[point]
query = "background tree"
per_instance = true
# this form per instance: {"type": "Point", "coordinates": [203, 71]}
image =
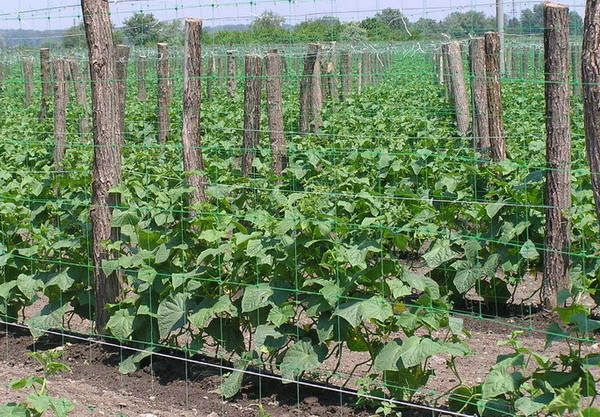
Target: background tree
{"type": "Point", "coordinates": [575, 23]}
{"type": "Point", "coordinates": [268, 27]}
{"type": "Point", "coordinates": [353, 32]}
{"type": "Point", "coordinates": [171, 32]}
{"type": "Point", "coordinates": [268, 20]}
{"type": "Point", "coordinates": [326, 28]}
{"type": "Point", "coordinates": [532, 20]}
{"type": "Point", "coordinates": [74, 37]}
{"type": "Point", "coordinates": [426, 28]}
{"type": "Point", "coordinates": [142, 29]}
{"type": "Point", "coordinates": [468, 23]}
{"type": "Point", "coordinates": [392, 18]}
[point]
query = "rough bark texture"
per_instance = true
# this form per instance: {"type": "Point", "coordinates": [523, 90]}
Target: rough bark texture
{"type": "Point", "coordinates": [494, 92]}
{"type": "Point", "coordinates": [310, 91]}
{"type": "Point", "coordinates": [46, 76]}
{"type": "Point", "coordinates": [346, 74]}
{"type": "Point", "coordinates": [447, 74]}
{"type": "Point", "coordinates": [27, 62]}
{"type": "Point", "coordinates": [231, 74]}
{"type": "Point", "coordinates": [210, 77]}
{"type": "Point", "coordinates": [332, 74]}
{"type": "Point", "coordinates": [61, 96]}
{"type": "Point", "coordinates": [558, 152]}
{"type": "Point", "coordinates": [164, 91]}
{"type": "Point", "coordinates": [192, 99]}
{"type": "Point", "coordinates": [251, 111]}
{"type": "Point", "coordinates": [359, 74]}
{"type": "Point", "coordinates": [107, 151]}
{"type": "Point", "coordinates": [122, 58]}
{"type": "Point", "coordinates": [459, 88]}
{"type": "Point", "coordinates": [481, 126]}
{"type": "Point", "coordinates": [140, 75]}
{"type": "Point", "coordinates": [274, 66]}
{"type": "Point", "coordinates": [590, 77]}
{"type": "Point", "coordinates": [80, 97]}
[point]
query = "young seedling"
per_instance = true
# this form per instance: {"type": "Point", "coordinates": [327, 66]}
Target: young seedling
{"type": "Point", "coordinates": [40, 401]}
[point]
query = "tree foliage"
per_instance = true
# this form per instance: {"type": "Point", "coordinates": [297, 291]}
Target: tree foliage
{"type": "Point", "coordinates": [142, 29]}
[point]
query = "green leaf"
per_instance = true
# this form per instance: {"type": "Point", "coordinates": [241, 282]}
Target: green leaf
{"type": "Point", "coordinates": [256, 297]}
{"type": "Point", "coordinates": [132, 363]}
{"type": "Point", "coordinates": [125, 218]}
{"type": "Point", "coordinates": [584, 324]}
{"type": "Point", "coordinates": [591, 412]}
{"type": "Point", "coordinates": [466, 277]}
{"type": "Point", "coordinates": [162, 254]}
{"type": "Point", "coordinates": [355, 312]}
{"type": "Point", "coordinates": [302, 356]}
{"type": "Point", "coordinates": [493, 208]}
{"type": "Point", "coordinates": [120, 324]}
{"type": "Point", "coordinates": [62, 280]}
{"type": "Point", "coordinates": [28, 285]}
{"type": "Point", "coordinates": [500, 381]}
{"type": "Point", "coordinates": [281, 315]}
{"type": "Point", "coordinates": [440, 253]}
{"type": "Point", "coordinates": [528, 406]}
{"type": "Point", "coordinates": [14, 410]}
{"type": "Point", "coordinates": [269, 339]}
{"type": "Point", "coordinates": [62, 406]}
{"type": "Point", "coordinates": [528, 251]}
{"type": "Point", "coordinates": [233, 382]}
{"type": "Point", "coordinates": [209, 308]}
{"type": "Point", "coordinates": [39, 403]}
{"type": "Point", "coordinates": [413, 351]}
{"type": "Point", "coordinates": [50, 316]}
{"type": "Point", "coordinates": [172, 314]}
{"type": "Point", "coordinates": [554, 334]}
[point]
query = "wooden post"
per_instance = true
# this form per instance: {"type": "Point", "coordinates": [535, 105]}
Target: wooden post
{"type": "Point", "coordinates": [322, 64]}
{"type": "Point", "coordinates": [164, 91]}
{"type": "Point", "coordinates": [210, 77]}
{"type": "Point", "coordinates": [346, 74]}
{"type": "Point", "coordinates": [122, 58]}
{"type": "Point", "coordinates": [558, 152]}
{"type": "Point", "coordinates": [494, 93]}
{"type": "Point", "coordinates": [251, 111]}
{"type": "Point", "coordinates": [366, 68]}
{"type": "Point", "coordinates": [80, 97]}
{"type": "Point", "coordinates": [332, 74]}
{"type": "Point", "coordinates": [46, 77]}
{"type": "Point", "coordinates": [590, 77]}
{"type": "Point", "coordinates": [481, 127]}
{"type": "Point", "coordinates": [231, 74]}
{"type": "Point", "coordinates": [107, 151]}
{"type": "Point", "coordinates": [525, 63]}
{"type": "Point", "coordinates": [447, 75]}
{"type": "Point", "coordinates": [140, 75]}
{"type": "Point", "coordinates": [459, 88]}
{"type": "Point", "coordinates": [61, 97]}
{"type": "Point", "coordinates": [274, 64]}
{"type": "Point", "coordinates": [359, 73]}
{"type": "Point", "coordinates": [310, 91]}
{"type": "Point", "coordinates": [28, 78]}
{"type": "Point", "coordinates": [192, 98]}
{"type": "Point", "coordinates": [536, 63]}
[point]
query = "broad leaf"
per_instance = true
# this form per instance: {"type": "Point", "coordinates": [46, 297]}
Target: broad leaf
{"type": "Point", "coordinates": [172, 313]}
{"type": "Point", "coordinates": [302, 356]}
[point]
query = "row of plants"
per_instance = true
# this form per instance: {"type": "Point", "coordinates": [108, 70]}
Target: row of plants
{"type": "Point", "coordinates": [380, 226]}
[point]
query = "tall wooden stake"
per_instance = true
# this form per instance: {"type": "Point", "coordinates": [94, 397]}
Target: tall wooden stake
{"type": "Point", "coordinates": [558, 152]}
{"type": "Point", "coordinates": [274, 83]}
{"type": "Point", "coordinates": [107, 151]}
{"type": "Point", "coordinates": [61, 97]}
{"type": "Point", "coordinates": [46, 76]}
{"type": "Point", "coordinates": [481, 126]}
{"type": "Point", "coordinates": [192, 100]}
{"type": "Point", "coordinates": [164, 91]}
{"type": "Point", "coordinates": [27, 63]}
{"type": "Point", "coordinates": [494, 93]}
{"type": "Point", "coordinates": [122, 52]}
{"type": "Point", "coordinates": [251, 111]}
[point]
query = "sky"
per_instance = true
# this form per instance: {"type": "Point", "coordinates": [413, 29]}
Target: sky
{"type": "Point", "coordinates": [61, 14]}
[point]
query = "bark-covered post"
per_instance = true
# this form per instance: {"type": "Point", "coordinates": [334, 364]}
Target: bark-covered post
{"type": "Point", "coordinates": [46, 78]}
{"type": "Point", "coordinates": [164, 91]}
{"type": "Point", "coordinates": [231, 74]}
{"type": "Point", "coordinates": [459, 88]}
{"type": "Point", "coordinates": [252, 97]}
{"type": "Point", "coordinates": [61, 97]}
{"type": "Point", "coordinates": [525, 63]}
{"type": "Point", "coordinates": [140, 75]}
{"type": "Point", "coordinates": [27, 63]}
{"type": "Point", "coordinates": [192, 100]}
{"type": "Point", "coordinates": [447, 74]}
{"type": "Point", "coordinates": [590, 77]}
{"type": "Point", "coordinates": [558, 152]}
{"type": "Point", "coordinates": [366, 68]}
{"type": "Point", "coordinates": [347, 70]}
{"type": "Point", "coordinates": [122, 58]}
{"type": "Point", "coordinates": [481, 127]}
{"type": "Point", "coordinates": [80, 97]}
{"type": "Point", "coordinates": [310, 91]}
{"type": "Point", "coordinates": [274, 82]}
{"type": "Point", "coordinates": [332, 74]}
{"type": "Point", "coordinates": [494, 93]}
{"type": "Point", "coordinates": [359, 73]}
{"type": "Point", "coordinates": [210, 77]}
{"type": "Point", "coordinates": [107, 152]}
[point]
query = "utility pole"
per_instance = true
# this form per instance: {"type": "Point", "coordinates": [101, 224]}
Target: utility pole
{"type": "Point", "coordinates": [500, 29]}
